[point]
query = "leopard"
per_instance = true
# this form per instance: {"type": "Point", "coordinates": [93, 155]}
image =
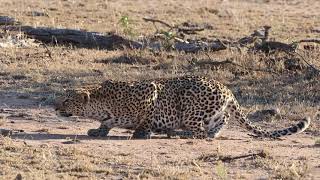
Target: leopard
{"type": "Point", "coordinates": [187, 106]}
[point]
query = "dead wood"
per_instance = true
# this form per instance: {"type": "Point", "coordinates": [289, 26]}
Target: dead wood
{"type": "Point", "coordinates": [186, 27]}
{"type": "Point", "coordinates": [261, 154]}
{"type": "Point", "coordinates": [309, 41]}
{"type": "Point", "coordinates": [272, 46]}
{"type": "Point", "coordinates": [228, 159]}
{"type": "Point", "coordinates": [192, 28]}
{"type": "Point", "coordinates": [5, 20]}
{"type": "Point", "coordinates": [257, 41]}
{"type": "Point", "coordinates": [193, 47]}
{"type": "Point", "coordinates": [148, 19]}
{"type": "Point", "coordinates": [75, 37]}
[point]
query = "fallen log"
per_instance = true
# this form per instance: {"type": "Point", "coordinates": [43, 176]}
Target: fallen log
{"type": "Point", "coordinates": [76, 38]}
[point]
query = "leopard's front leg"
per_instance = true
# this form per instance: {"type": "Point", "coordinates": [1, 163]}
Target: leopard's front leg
{"type": "Point", "coordinates": [102, 131]}
{"type": "Point", "coordinates": [107, 125]}
{"type": "Point", "coordinates": [143, 131]}
{"type": "Point", "coordinates": [144, 128]}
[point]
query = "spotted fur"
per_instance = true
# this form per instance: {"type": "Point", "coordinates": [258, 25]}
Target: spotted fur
{"type": "Point", "coordinates": [199, 106]}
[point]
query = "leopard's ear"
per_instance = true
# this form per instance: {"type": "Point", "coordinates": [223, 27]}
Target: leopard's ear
{"type": "Point", "coordinates": [85, 97]}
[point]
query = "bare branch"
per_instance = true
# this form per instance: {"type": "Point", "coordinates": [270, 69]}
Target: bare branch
{"type": "Point", "coordinates": [309, 40]}
{"type": "Point", "coordinates": [148, 19]}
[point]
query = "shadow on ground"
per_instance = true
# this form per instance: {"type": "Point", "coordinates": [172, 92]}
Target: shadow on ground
{"type": "Point", "coordinates": [40, 136]}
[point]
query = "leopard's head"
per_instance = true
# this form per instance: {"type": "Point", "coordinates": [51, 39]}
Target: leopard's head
{"type": "Point", "coordinates": [72, 103]}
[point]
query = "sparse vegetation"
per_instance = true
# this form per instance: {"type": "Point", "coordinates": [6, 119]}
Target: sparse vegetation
{"type": "Point", "coordinates": [292, 171]}
{"type": "Point", "coordinates": [221, 171]}
{"type": "Point", "coordinates": [44, 146]}
{"type": "Point", "coordinates": [126, 25]}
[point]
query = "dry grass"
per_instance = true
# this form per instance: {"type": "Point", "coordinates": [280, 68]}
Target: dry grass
{"type": "Point", "coordinates": [30, 79]}
{"type": "Point", "coordinates": [2, 120]}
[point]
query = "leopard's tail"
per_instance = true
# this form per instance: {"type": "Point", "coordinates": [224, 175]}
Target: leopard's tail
{"type": "Point", "coordinates": [235, 111]}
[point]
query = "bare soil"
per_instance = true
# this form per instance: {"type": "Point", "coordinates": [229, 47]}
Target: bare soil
{"type": "Point", "coordinates": [44, 146]}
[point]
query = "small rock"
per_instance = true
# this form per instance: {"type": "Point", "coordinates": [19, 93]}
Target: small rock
{"type": "Point", "coordinates": [37, 13]}
{"type": "Point", "coordinates": [18, 177]}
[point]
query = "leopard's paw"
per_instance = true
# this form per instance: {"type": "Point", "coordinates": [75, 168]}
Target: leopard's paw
{"type": "Point", "coordinates": [139, 134]}
{"type": "Point", "coordinates": [98, 132]}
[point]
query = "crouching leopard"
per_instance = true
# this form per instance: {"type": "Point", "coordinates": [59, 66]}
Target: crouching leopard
{"type": "Point", "coordinates": [196, 106]}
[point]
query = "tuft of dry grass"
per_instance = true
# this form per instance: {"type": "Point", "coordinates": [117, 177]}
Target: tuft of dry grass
{"type": "Point", "coordinates": [292, 171]}
{"type": "Point", "coordinates": [2, 120]}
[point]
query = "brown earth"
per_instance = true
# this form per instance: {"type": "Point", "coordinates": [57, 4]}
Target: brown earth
{"type": "Point", "coordinates": [43, 146]}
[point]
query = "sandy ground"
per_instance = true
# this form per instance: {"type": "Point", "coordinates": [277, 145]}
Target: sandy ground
{"type": "Point", "coordinates": [66, 152]}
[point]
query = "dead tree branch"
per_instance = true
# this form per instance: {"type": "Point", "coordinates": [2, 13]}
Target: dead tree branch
{"type": "Point", "coordinates": [148, 19]}
{"type": "Point", "coordinates": [309, 41]}
{"type": "Point", "coordinates": [75, 37]}
{"type": "Point", "coordinates": [229, 158]}
{"type": "Point", "coordinates": [186, 27]}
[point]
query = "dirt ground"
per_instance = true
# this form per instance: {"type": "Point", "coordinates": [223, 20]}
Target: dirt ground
{"type": "Point", "coordinates": [44, 146]}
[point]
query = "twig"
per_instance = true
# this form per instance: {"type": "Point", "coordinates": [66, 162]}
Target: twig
{"type": "Point", "coordinates": [46, 47]}
{"type": "Point", "coordinates": [223, 44]}
{"type": "Point", "coordinates": [309, 40]}
{"type": "Point", "coordinates": [189, 30]}
{"type": "Point", "coordinates": [229, 159]}
{"type": "Point", "coordinates": [182, 28]}
{"type": "Point", "coordinates": [181, 40]}
{"type": "Point", "coordinates": [47, 51]}
{"type": "Point", "coordinates": [147, 19]}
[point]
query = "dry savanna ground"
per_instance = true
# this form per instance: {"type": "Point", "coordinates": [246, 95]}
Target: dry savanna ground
{"type": "Point", "coordinates": [45, 146]}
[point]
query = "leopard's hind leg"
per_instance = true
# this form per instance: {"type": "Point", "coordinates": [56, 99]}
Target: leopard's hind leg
{"type": "Point", "coordinates": [215, 124]}
{"type": "Point", "coordinates": [193, 128]}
